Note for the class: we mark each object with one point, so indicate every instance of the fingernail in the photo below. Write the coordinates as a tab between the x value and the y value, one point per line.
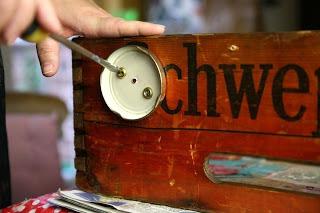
47	69
161	26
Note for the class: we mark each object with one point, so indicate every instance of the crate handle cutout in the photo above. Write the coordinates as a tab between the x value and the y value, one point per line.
255	171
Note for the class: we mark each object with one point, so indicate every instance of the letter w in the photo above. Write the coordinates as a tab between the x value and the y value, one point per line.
246	87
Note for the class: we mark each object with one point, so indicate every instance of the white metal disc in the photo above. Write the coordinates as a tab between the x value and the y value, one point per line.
125	96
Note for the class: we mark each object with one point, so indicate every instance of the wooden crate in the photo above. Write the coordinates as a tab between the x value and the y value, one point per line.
253	94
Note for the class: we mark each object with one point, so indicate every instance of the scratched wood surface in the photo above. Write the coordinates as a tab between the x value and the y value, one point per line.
255	94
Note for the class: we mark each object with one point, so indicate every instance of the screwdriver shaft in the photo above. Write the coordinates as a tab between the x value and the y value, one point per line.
77	48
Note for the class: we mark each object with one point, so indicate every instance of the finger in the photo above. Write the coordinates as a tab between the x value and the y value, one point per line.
139	28
48	53
47	17
92	21
116	27
7	10
95	26
22	18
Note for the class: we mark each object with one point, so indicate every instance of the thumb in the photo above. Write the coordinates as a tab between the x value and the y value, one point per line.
48	54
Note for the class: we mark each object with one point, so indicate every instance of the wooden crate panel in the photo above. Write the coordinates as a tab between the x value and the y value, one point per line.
254	94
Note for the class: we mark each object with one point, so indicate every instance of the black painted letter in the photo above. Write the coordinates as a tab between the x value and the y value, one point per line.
278	90
193	72
246	87
164	104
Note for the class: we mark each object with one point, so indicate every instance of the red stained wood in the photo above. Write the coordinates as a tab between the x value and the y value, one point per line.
160	159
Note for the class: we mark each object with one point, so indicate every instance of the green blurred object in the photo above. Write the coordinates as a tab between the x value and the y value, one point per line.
128	14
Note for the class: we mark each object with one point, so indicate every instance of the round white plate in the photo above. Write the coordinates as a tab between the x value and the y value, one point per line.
125	96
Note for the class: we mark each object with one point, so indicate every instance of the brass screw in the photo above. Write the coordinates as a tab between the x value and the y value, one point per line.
147	93
121	72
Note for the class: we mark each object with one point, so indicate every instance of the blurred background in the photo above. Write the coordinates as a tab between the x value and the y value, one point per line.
40	110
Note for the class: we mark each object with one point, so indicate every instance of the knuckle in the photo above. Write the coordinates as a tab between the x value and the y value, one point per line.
45	50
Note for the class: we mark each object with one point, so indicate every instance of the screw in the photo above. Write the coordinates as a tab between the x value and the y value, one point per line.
147	93
233	48
121	72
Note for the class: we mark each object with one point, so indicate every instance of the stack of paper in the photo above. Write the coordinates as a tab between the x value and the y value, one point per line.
85	202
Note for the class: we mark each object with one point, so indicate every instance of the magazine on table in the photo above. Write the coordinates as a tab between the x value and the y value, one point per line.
85	202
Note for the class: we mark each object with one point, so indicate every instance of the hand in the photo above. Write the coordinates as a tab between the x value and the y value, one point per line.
17	15
84	17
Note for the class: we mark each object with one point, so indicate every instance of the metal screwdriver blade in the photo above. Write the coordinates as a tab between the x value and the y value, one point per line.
77	48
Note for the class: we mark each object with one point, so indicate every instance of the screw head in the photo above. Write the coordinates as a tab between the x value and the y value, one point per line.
147	93
121	72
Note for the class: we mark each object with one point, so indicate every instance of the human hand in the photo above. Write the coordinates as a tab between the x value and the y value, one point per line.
17	15
84	17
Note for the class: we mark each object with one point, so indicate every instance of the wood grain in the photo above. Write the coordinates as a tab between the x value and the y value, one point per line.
254	94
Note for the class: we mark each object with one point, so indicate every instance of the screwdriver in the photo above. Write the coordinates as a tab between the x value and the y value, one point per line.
77	48
35	34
